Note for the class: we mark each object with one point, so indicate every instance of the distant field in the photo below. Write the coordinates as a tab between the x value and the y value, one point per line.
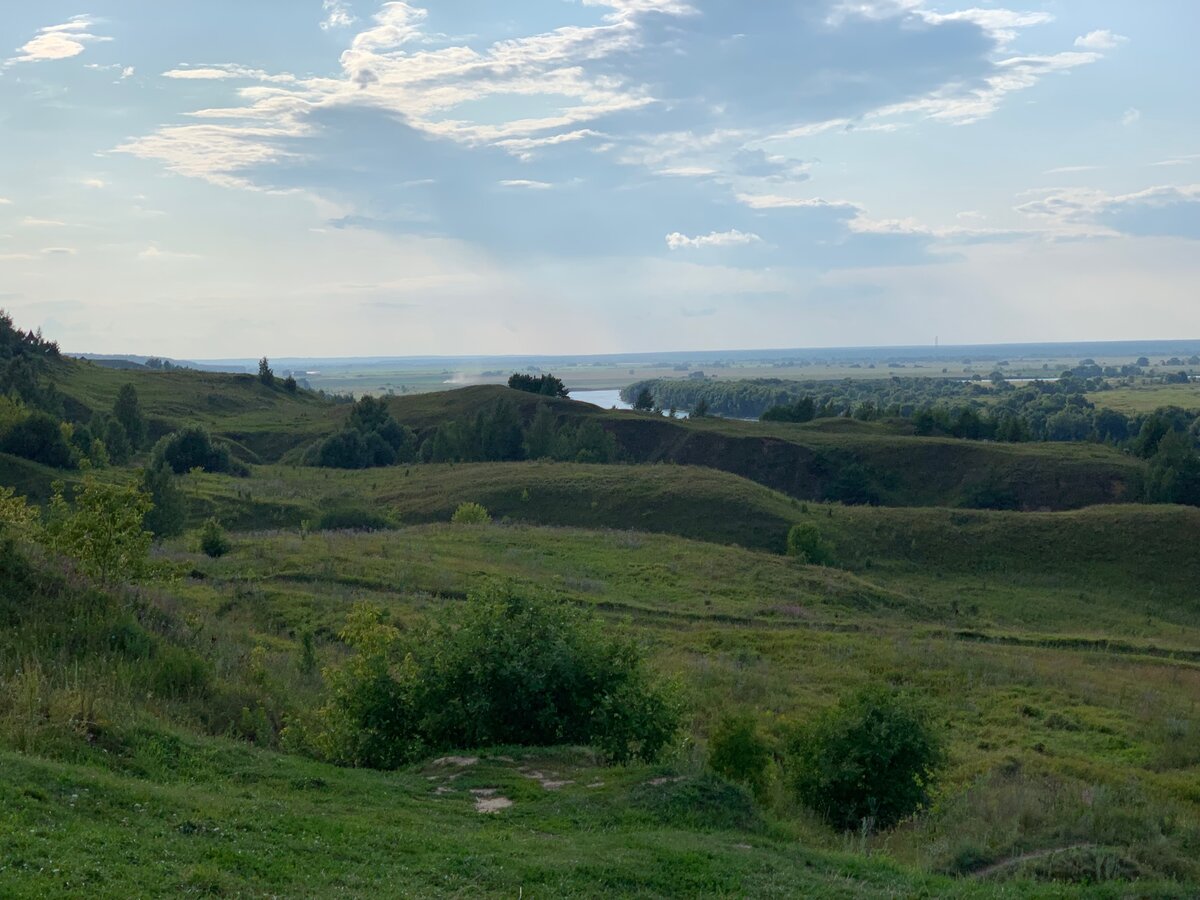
1149	397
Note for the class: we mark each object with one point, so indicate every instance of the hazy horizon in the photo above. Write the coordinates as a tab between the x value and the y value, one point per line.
345	178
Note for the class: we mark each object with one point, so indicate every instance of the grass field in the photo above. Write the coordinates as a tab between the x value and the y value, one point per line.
1147	398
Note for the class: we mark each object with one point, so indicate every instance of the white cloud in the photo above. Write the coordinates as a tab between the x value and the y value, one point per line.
34	222
59	41
154	253
339	15
1132	116
526	183
1071	170
59	251
733	238
94	183
774	201
4	201
1102	39
226	71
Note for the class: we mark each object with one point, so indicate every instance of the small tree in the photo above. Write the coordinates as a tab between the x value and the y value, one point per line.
540	435
867	762
471	514
265	375
699	410
169	512
644	401
128	411
104	530
738	752
213	542
805	543
289	384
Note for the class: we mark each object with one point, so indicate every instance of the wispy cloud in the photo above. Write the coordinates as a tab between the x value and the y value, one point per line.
733	238
338	15
1102	39
59	41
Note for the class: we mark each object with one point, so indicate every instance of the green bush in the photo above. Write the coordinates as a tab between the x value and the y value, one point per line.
471	514
804	542
738	752
39	437
501	670
193	448
213	541
168	514
867	762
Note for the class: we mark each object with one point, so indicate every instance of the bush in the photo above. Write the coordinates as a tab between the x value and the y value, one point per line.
193	448
168	515
471	514
39	437
804	542
213	541
502	670
738	752
104	531
867	762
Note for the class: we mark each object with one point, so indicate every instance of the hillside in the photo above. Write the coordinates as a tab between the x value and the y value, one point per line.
843	460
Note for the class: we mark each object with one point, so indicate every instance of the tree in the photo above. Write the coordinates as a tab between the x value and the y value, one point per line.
168	514
289	384
265	375
805	543
644	401
104	530
738	752
471	514
39	437
540	435
867	762
545	385
1174	475
117	442
193	448
213	542
700	410
128	411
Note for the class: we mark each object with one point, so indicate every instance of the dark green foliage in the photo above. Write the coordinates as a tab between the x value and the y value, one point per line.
804	542
643	400
852	485
116	441
169	514
803	410
353	518
213	542
700	410
128	411
39	437
502	670
193	448
371	438
541	434
265	375
290	385
867	763
737	751
1174	475
545	385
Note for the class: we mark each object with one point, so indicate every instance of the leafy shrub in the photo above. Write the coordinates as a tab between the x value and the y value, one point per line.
502	670
168	514
372	438
104	531
804	542
471	514
353	518
193	448
869	760
213	541
738	752
39	437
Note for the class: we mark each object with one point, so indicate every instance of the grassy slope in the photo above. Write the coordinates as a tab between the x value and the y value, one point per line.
805	460
748	630
1148	398
266	421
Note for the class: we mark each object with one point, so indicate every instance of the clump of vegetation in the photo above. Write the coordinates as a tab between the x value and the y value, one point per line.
867	763
545	385
103	530
213	540
168	513
805	543
193	448
737	751
502	670
471	514
39	437
371	438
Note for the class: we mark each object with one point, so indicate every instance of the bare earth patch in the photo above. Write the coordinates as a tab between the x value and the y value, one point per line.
488	801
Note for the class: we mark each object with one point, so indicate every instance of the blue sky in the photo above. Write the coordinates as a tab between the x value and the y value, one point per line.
342	177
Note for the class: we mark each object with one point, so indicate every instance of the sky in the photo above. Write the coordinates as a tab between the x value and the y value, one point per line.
354	177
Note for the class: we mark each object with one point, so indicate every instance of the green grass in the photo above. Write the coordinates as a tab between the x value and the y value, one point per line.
1149	397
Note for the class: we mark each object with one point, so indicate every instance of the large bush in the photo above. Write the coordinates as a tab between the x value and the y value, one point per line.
193	448
805	543
869	760
501	670
39	437
737	751
371	438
